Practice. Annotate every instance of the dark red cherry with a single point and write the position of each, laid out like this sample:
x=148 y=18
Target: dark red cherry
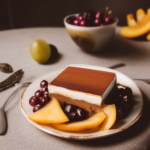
x=128 y=91
x=99 y=15
x=126 y=98
x=45 y=93
x=43 y=83
x=47 y=97
x=101 y=24
x=43 y=101
x=39 y=93
x=37 y=107
x=34 y=101
x=81 y=113
x=69 y=109
x=45 y=89
x=108 y=20
x=97 y=22
x=121 y=113
x=71 y=19
x=73 y=116
x=121 y=92
x=82 y=23
x=76 y=22
x=80 y=17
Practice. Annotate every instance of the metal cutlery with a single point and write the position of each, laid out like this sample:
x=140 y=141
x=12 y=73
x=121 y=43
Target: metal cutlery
x=11 y=80
x=5 y=68
x=3 y=121
x=117 y=65
x=121 y=65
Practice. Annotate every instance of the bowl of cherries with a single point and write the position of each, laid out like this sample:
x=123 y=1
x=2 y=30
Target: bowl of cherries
x=91 y=30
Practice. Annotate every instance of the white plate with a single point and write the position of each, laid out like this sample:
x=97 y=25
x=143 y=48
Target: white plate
x=119 y=125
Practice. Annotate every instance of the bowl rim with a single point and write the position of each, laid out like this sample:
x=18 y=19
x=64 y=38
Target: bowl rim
x=92 y=27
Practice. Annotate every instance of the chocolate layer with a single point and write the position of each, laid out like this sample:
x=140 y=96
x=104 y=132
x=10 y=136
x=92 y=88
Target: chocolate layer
x=84 y=80
x=91 y=108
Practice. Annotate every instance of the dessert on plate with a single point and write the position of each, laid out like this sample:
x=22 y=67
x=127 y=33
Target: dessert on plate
x=85 y=88
x=81 y=99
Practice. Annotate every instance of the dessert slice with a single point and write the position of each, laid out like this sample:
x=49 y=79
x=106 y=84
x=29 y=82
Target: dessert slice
x=85 y=88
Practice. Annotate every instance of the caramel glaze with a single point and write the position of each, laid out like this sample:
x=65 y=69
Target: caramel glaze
x=84 y=80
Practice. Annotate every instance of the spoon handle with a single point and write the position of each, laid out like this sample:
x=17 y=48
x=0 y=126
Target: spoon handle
x=3 y=121
x=117 y=65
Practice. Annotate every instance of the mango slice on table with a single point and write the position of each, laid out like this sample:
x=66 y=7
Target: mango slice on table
x=110 y=112
x=140 y=14
x=90 y=123
x=138 y=30
x=50 y=113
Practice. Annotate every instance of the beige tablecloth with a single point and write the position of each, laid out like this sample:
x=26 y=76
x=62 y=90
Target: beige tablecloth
x=21 y=135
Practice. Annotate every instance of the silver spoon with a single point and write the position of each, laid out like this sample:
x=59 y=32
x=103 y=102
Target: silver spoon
x=121 y=65
x=117 y=65
x=3 y=122
x=5 y=68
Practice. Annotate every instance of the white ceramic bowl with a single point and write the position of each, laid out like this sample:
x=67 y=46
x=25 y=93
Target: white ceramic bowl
x=91 y=39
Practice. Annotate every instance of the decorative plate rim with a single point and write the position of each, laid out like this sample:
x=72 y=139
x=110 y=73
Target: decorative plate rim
x=83 y=137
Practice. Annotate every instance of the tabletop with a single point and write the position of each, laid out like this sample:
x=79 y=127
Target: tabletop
x=15 y=50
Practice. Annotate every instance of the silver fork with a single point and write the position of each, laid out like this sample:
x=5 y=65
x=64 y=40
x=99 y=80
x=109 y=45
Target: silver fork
x=3 y=122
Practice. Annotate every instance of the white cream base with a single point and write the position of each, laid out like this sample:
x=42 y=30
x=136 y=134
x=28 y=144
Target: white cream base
x=77 y=95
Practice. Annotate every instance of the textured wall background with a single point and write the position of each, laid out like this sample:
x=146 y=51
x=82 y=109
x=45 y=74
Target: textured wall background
x=33 y=13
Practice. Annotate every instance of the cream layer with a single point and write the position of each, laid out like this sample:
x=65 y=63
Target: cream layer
x=78 y=95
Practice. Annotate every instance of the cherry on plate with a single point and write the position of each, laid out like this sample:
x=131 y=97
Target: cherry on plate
x=69 y=109
x=44 y=101
x=34 y=101
x=43 y=83
x=81 y=113
x=39 y=93
x=121 y=112
x=37 y=107
x=73 y=116
x=128 y=91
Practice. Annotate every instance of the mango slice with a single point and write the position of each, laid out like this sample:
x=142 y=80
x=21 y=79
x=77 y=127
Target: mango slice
x=110 y=112
x=140 y=14
x=148 y=37
x=130 y=20
x=138 y=30
x=90 y=123
x=50 y=113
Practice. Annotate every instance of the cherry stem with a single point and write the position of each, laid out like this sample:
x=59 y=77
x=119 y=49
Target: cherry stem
x=110 y=12
x=84 y=15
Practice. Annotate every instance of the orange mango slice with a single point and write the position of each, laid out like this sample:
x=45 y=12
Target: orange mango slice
x=50 y=113
x=141 y=28
x=110 y=112
x=130 y=20
x=90 y=123
x=148 y=37
x=140 y=14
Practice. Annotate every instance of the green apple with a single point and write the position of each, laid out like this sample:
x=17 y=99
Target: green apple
x=40 y=51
